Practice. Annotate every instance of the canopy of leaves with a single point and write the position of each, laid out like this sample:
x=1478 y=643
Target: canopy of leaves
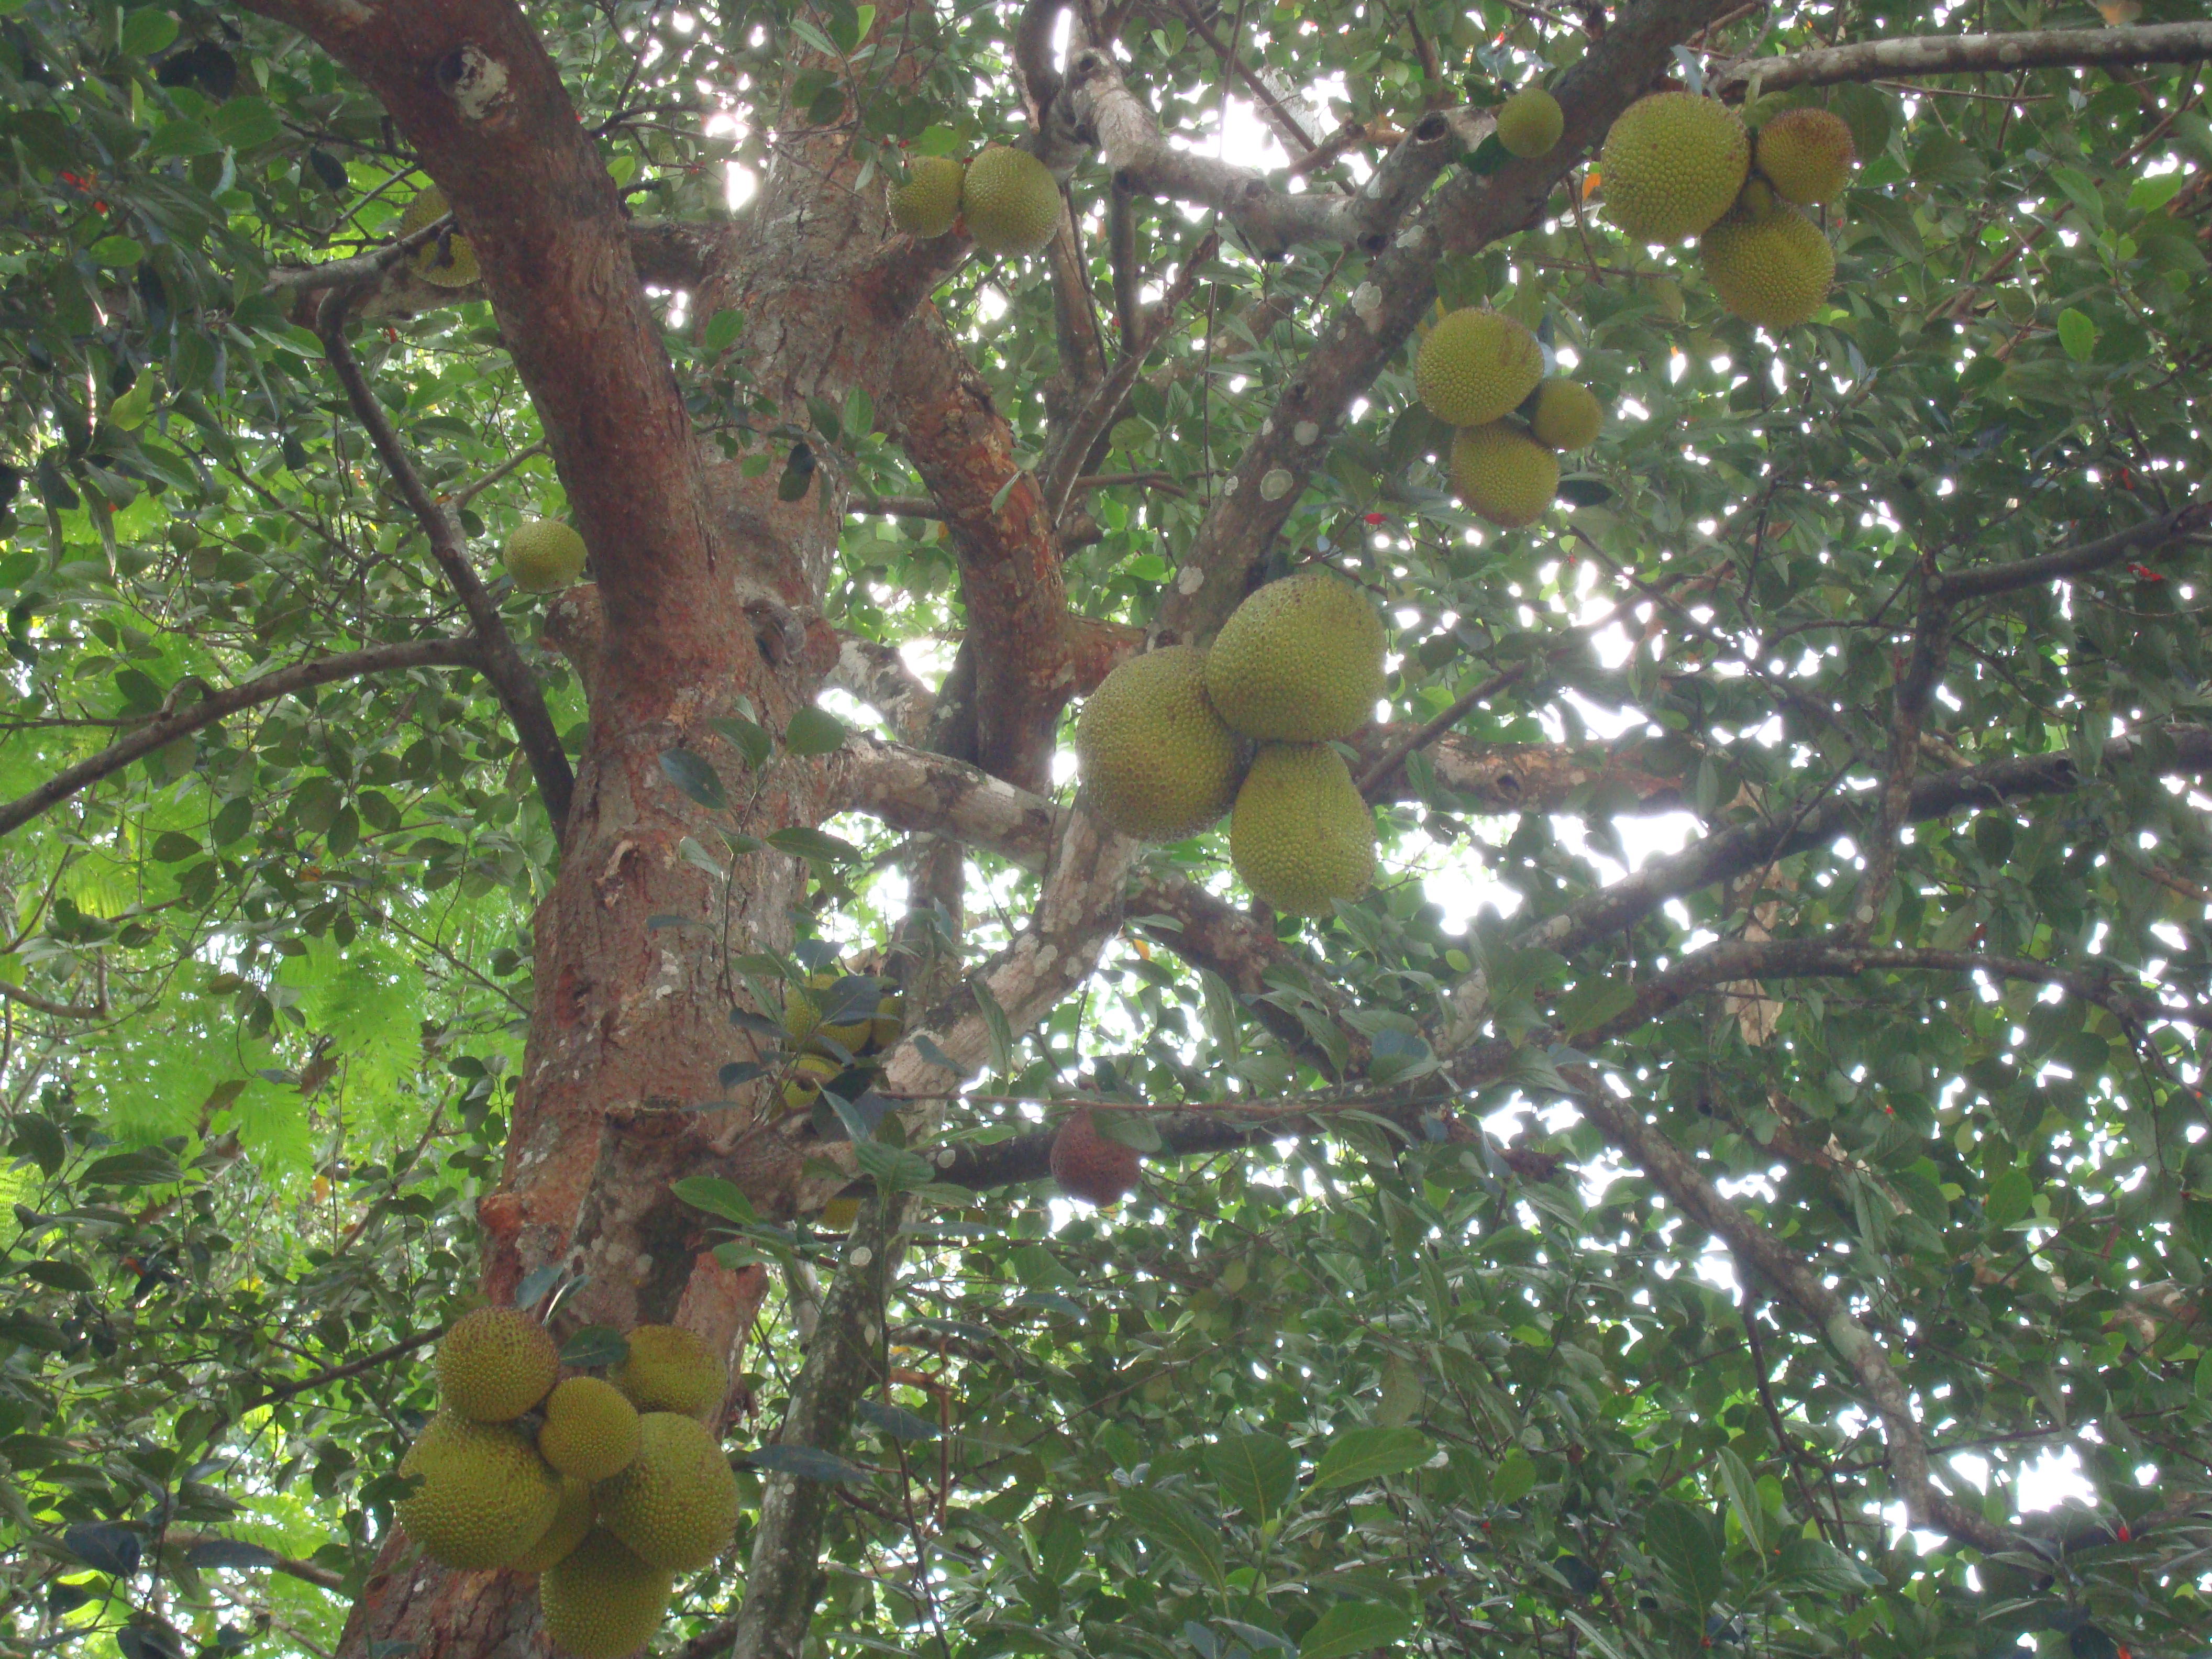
x=1385 y=1382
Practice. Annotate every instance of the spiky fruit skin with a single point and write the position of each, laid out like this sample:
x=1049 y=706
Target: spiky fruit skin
x=1773 y=271
x=544 y=555
x=676 y=1505
x=572 y=1519
x=1476 y=365
x=1567 y=414
x=601 y=1602
x=486 y=1495
x=1806 y=155
x=806 y=1080
x=839 y=1214
x=1301 y=837
x=925 y=206
x=1157 y=763
x=590 y=1430
x=1672 y=165
x=1529 y=122
x=889 y=1022
x=495 y=1363
x=1299 y=662
x=1011 y=201
x=1504 y=475
x=447 y=259
x=671 y=1370
x=802 y=1016
x=1089 y=1166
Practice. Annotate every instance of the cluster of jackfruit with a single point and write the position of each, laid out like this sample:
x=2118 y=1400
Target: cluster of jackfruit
x=1676 y=164
x=1009 y=198
x=1483 y=373
x=604 y=1487
x=1162 y=743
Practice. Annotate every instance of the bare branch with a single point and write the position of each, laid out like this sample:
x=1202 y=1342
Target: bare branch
x=1983 y=581
x=502 y=664
x=1967 y=54
x=94 y=1010
x=215 y=705
x=1279 y=116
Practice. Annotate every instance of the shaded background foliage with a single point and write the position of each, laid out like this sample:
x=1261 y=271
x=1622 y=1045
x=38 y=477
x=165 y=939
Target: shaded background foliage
x=1362 y=1386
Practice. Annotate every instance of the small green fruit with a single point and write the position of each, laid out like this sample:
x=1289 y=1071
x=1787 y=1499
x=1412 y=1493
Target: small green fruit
x=1807 y=155
x=925 y=206
x=1672 y=165
x=1156 y=759
x=544 y=554
x=676 y=1505
x=601 y=1602
x=445 y=259
x=1011 y=200
x=590 y=1430
x=1476 y=366
x=1530 y=122
x=1301 y=837
x=1502 y=474
x=495 y=1363
x=485 y=1497
x=670 y=1369
x=1299 y=662
x=1567 y=414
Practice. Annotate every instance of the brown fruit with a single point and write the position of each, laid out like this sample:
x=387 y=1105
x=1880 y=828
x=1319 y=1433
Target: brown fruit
x=1089 y=1166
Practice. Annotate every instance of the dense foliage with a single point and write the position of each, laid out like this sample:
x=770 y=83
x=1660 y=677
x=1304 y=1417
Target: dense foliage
x=1363 y=1386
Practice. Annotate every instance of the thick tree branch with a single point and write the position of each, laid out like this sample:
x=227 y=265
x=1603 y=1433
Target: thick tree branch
x=1462 y=217
x=2142 y=541
x=1002 y=536
x=502 y=664
x=17 y=994
x=1967 y=54
x=215 y=705
x=844 y=1357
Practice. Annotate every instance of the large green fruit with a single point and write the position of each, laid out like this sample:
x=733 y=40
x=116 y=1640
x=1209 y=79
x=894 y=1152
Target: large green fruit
x=571 y=1521
x=802 y=1016
x=544 y=554
x=446 y=259
x=601 y=1602
x=1567 y=416
x=1530 y=122
x=1011 y=201
x=1672 y=165
x=1476 y=365
x=1156 y=759
x=486 y=1495
x=1806 y=155
x=1301 y=837
x=1502 y=474
x=671 y=1370
x=926 y=204
x=495 y=1363
x=1773 y=268
x=590 y=1429
x=1299 y=662
x=676 y=1505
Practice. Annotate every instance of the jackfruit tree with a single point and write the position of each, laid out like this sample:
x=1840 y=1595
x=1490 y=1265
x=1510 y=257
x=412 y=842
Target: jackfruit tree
x=851 y=828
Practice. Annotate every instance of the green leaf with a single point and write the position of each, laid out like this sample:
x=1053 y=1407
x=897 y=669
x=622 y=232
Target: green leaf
x=722 y=330
x=1355 y=1627
x=816 y=846
x=1163 y=1518
x=814 y=732
x=1357 y=1456
x=2011 y=1195
x=594 y=1346
x=893 y=1169
x=714 y=1195
x=694 y=774
x=2077 y=334
x=2149 y=195
x=995 y=1019
x=1514 y=1480
x=1682 y=1538
x=1256 y=1471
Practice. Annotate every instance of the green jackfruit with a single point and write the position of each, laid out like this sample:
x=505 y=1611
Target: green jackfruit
x=572 y=1519
x=1502 y=474
x=1530 y=122
x=1299 y=662
x=486 y=1495
x=676 y=1505
x=926 y=204
x=670 y=1369
x=495 y=1363
x=1476 y=365
x=1672 y=165
x=802 y=1016
x=1567 y=414
x=590 y=1429
x=1011 y=201
x=601 y=1602
x=1301 y=837
x=1773 y=269
x=1806 y=155
x=446 y=259
x=1156 y=759
x=542 y=554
